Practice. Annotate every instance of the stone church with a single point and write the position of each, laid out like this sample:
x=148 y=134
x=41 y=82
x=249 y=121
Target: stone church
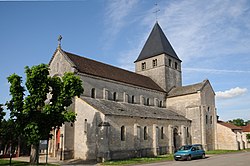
x=124 y=114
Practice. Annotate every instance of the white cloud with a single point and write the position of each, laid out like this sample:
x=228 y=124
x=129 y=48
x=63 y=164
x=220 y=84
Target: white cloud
x=231 y=93
x=115 y=18
x=214 y=71
x=206 y=28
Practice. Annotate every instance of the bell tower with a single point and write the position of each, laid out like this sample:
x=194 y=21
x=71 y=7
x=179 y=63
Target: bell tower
x=159 y=61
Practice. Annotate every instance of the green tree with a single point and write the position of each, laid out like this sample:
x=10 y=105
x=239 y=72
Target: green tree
x=45 y=106
x=2 y=113
x=248 y=137
x=237 y=122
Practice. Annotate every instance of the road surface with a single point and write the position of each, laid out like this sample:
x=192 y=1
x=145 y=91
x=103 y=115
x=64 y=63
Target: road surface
x=232 y=159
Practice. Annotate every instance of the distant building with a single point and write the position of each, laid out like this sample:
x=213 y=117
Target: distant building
x=124 y=114
x=246 y=130
x=230 y=137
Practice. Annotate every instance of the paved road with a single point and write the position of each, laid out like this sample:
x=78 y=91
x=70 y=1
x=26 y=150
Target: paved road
x=235 y=159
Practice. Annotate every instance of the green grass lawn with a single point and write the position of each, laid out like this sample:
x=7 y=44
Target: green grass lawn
x=225 y=151
x=18 y=163
x=142 y=160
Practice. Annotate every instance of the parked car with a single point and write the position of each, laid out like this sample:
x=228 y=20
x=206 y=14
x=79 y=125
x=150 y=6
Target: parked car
x=189 y=152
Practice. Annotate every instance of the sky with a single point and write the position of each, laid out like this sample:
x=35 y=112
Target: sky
x=211 y=37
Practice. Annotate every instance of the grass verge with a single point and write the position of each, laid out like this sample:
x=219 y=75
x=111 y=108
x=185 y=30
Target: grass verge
x=226 y=151
x=162 y=158
x=142 y=160
x=19 y=163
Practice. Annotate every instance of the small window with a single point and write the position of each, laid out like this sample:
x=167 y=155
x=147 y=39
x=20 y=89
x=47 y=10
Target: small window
x=169 y=62
x=123 y=133
x=57 y=67
x=93 y=93
x=175 y=65
x=145 y=133
x=85 y=126
x=114 y=96
x=187 y=132
x=143 y=66
x=133 y=99
x=162 y=133
x=154 y=62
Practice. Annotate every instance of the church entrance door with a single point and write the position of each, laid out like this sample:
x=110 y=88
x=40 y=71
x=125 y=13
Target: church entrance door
x=176 y=139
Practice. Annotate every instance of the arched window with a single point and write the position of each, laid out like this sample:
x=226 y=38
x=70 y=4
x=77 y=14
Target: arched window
x=114 y=96
x=85 y=126
x=162 y=133
x=123 y=133
x=169 y=62
x=133 y=99
x=148 y=101
x=93 y=93
x=145 y=133
x=175 y=65
x=160 y=104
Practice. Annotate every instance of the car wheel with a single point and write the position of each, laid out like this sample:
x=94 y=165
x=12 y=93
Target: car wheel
x=203 y=156
x=189 y=158
x=176 y=159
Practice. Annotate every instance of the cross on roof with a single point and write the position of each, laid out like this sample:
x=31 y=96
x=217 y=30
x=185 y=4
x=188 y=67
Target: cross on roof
x=156 y=11
x=59 y=41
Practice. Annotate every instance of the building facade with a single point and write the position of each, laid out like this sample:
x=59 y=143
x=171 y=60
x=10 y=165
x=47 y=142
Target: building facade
x=124 y=114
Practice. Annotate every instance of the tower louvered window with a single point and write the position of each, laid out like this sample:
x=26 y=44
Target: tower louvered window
x=143 y=66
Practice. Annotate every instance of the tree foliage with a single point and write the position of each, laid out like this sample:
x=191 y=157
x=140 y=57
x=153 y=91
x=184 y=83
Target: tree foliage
x=248 y=137
x=45 y=106
x=239 y=122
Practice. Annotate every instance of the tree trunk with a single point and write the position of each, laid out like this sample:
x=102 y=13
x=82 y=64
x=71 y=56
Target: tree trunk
x=5 y=149
x=34 y=154
x=18 y=146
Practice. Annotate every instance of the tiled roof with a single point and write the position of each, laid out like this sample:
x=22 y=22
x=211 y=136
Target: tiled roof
x=108 y=107
x=229 y=125
x=246 y=128
x=189 y=89
x=156 y=44
x=92 y=67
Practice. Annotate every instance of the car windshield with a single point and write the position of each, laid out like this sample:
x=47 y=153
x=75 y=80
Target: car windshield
x=187 y=147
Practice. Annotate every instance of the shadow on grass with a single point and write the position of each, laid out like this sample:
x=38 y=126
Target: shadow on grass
x=19 y=163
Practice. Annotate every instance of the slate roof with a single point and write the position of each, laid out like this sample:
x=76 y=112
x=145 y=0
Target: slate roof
x=246 y=128
x=189 y=89
x=229 y=125
x=156 y=44
x=92 y=67
x=108 y=107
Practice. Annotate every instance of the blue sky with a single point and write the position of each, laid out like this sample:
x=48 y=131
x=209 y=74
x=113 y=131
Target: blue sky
x=212 y=37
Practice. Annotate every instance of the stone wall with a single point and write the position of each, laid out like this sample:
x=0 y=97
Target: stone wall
x=105 y=142
x=226 y=139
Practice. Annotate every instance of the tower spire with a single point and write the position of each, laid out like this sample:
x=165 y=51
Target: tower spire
x=59 y=41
